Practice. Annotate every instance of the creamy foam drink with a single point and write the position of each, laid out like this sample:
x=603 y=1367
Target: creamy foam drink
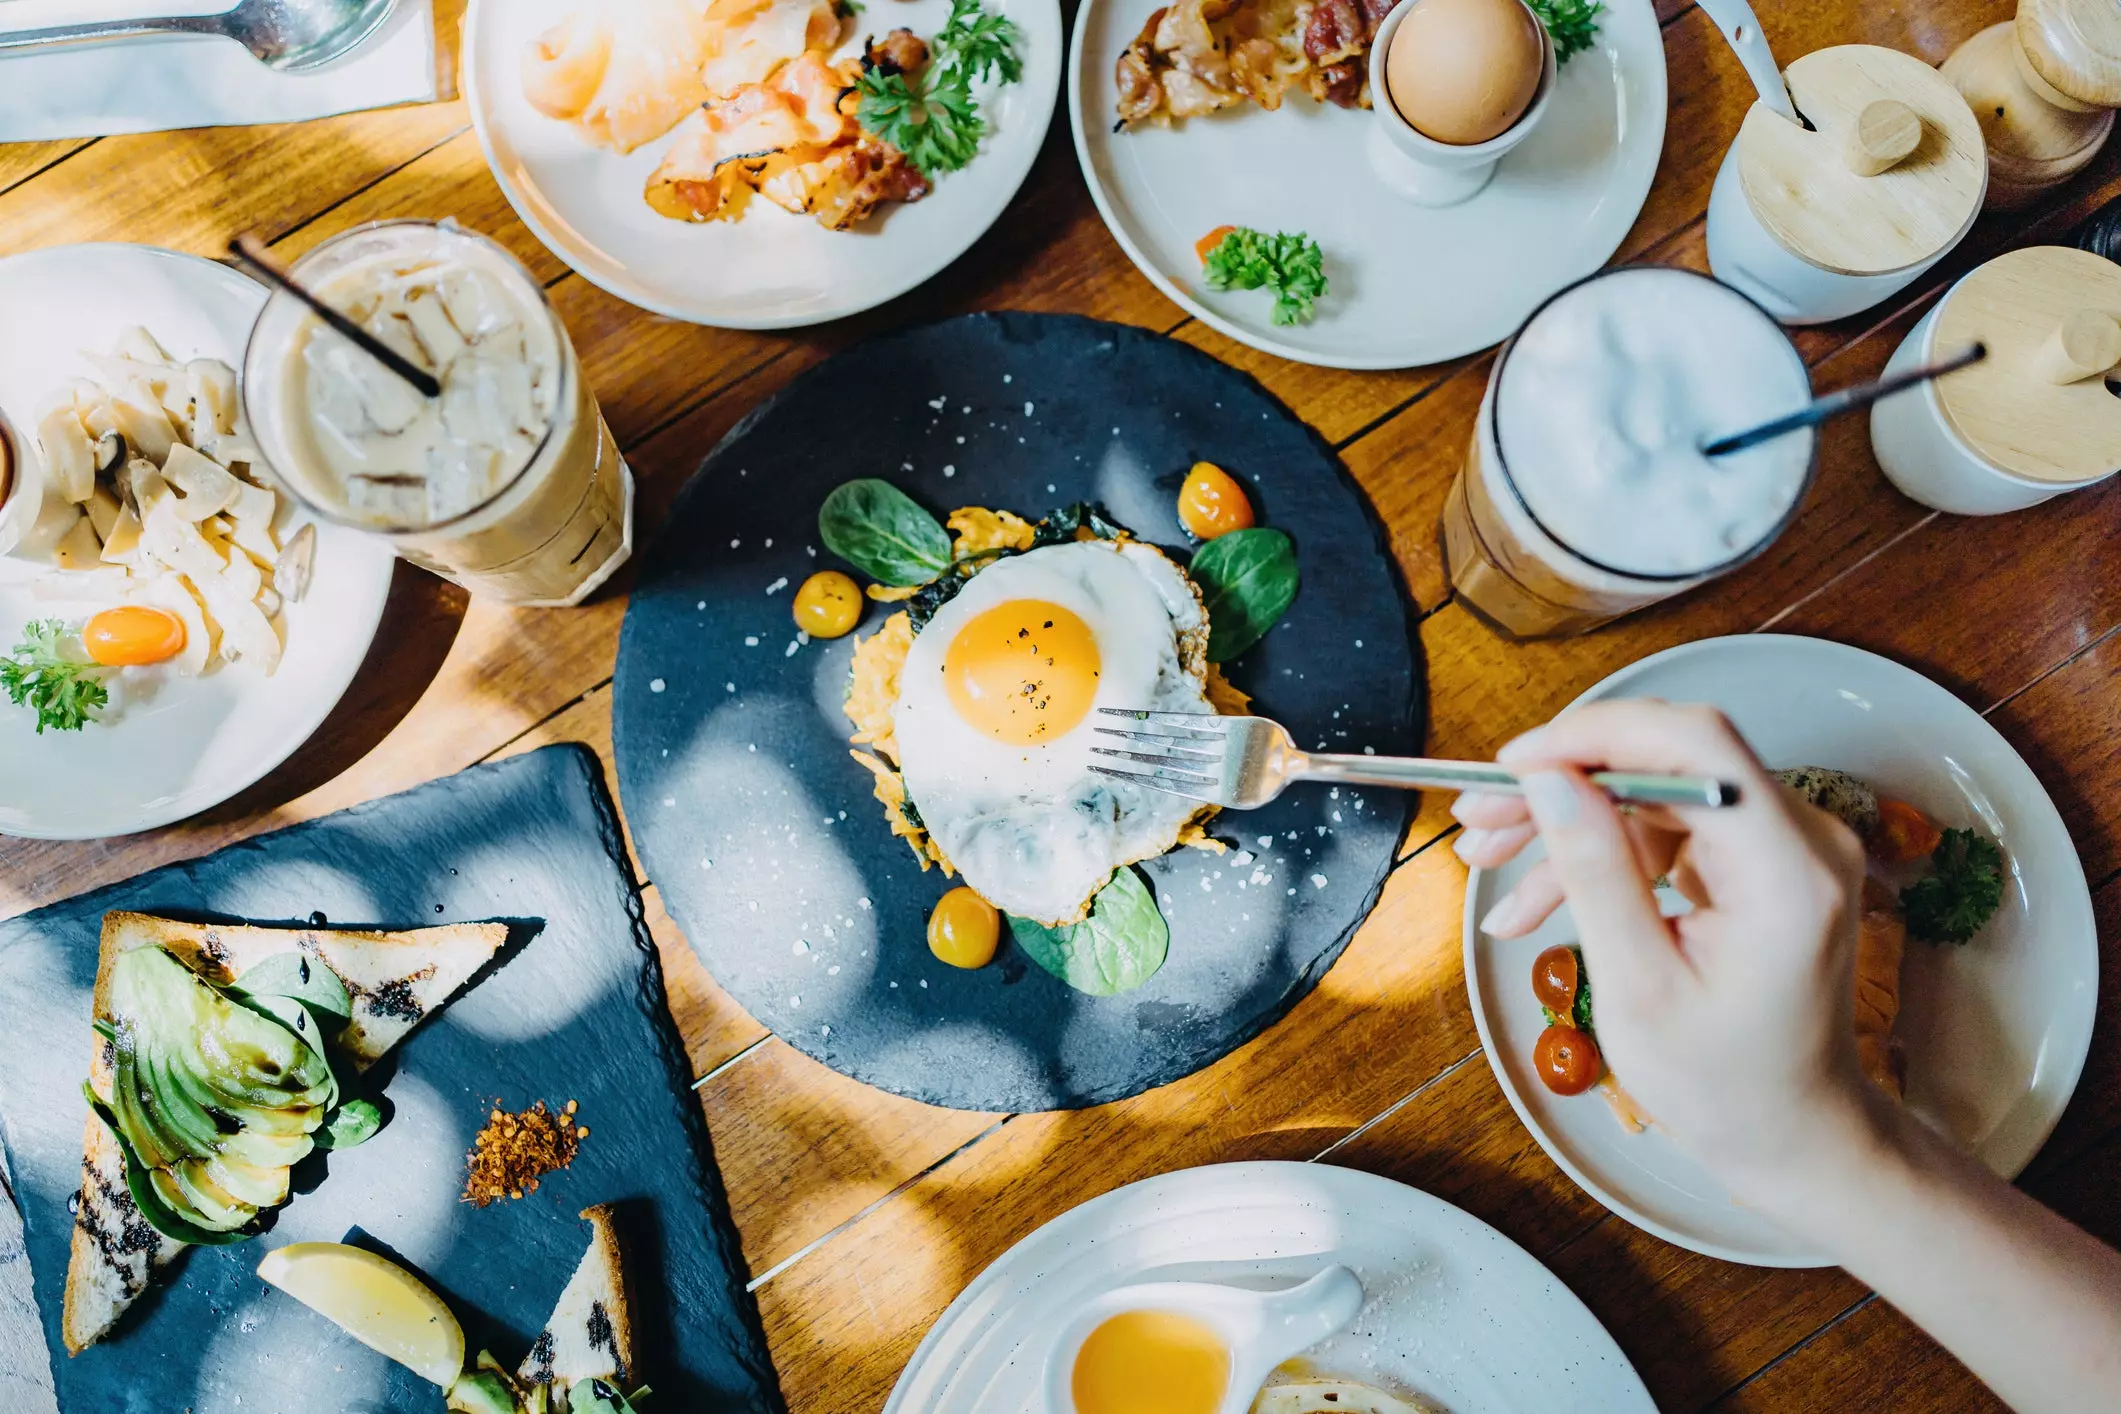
x=1585 y=493
x=508 y=483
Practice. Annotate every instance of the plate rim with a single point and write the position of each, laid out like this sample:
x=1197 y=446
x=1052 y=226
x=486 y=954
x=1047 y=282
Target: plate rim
x=1471 y=939
x=644 y=299
x=1266 y=343
x=1169 y=1189
x=184 y=807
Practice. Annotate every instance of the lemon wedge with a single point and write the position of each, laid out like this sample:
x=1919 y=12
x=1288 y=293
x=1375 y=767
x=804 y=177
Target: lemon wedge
x=375 y=1301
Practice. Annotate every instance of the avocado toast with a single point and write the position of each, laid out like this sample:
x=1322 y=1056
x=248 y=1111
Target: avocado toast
x=220 y=1057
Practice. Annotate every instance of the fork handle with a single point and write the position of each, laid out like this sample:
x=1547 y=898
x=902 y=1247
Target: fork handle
x=1413 y=772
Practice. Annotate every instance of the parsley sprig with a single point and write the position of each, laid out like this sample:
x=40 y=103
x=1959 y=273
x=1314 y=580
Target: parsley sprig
x=63 y=690
x=1573 y=23
x=1960 y=894
x=1290 y=267
x=932 y=116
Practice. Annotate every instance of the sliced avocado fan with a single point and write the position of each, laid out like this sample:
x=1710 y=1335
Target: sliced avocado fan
x=216 y=1093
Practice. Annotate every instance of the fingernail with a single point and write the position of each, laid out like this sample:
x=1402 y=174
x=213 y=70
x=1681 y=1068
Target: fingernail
x=1551 y=797
x=1523 y=747
x=1505 y=919
x=1469 y=800
x=1469 y=841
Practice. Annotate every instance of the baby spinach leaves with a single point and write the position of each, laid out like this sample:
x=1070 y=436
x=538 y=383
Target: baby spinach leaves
x=1248 y=579
x=882 y=532
x=1117 y=948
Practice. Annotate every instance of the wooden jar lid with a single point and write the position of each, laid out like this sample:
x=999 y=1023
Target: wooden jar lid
x=2074 y=47
x=1811 y=189
x=2046 y=313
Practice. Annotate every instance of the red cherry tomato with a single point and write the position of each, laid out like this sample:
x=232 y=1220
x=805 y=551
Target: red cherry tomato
x=1555 y=975
x=1567 y=1060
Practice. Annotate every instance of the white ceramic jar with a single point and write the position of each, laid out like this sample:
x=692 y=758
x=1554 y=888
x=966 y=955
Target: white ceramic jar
x=1799 y=220
x=2004 y=434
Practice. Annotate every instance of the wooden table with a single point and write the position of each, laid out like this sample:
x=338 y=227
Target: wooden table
x=864 y=1214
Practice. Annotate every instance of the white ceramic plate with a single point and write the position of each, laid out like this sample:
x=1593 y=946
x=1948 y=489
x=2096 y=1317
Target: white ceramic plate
x=1996 y=1031
x=1456 y=1312
x=770 y=269
x=1409 y=285
x=180 y=745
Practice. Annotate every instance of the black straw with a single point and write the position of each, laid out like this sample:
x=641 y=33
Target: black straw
x=247 y=250
x=1847 y=400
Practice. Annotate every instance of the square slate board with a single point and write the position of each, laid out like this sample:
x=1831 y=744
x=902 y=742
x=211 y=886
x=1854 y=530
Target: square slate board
x=573 y=1010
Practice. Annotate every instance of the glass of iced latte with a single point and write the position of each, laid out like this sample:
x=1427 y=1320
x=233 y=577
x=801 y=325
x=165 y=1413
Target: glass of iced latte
x=1585 y=494
x=508 y=484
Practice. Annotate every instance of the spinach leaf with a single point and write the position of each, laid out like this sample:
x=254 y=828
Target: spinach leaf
x=878 y=529
x=1249 y=579
x=354 y=1122
x=1117 y=948
x=1061 y=526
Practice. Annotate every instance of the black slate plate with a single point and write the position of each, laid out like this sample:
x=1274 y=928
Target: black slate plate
x=761 y=831
x=573 y=1010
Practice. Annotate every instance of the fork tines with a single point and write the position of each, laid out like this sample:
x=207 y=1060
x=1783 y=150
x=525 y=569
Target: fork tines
x=1177 y=768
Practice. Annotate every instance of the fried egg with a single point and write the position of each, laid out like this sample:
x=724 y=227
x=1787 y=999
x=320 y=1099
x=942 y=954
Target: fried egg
x=997 y=714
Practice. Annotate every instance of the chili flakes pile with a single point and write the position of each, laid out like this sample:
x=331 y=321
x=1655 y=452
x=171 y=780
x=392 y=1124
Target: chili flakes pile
x=514 y=1150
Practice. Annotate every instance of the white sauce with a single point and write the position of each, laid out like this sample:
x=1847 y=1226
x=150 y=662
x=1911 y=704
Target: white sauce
x=1606 y=399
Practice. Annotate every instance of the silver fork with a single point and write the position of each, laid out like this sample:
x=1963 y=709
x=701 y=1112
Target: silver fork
x=1244 y=762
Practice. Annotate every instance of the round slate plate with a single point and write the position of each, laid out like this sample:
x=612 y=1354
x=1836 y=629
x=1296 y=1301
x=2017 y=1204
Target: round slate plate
x=761 y=830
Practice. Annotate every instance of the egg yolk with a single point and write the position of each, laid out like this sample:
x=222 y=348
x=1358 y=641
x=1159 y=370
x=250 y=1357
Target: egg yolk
x=1211 y=503
x=1024 y=672
x=965 y=929
x=133 y=635
x=828 y=605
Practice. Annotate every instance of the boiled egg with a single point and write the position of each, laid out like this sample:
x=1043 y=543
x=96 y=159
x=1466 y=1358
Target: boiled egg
x=998 y=714
x=1464 y=71
x=133 y=635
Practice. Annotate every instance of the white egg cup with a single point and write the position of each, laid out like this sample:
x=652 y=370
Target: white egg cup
x=1260 y=1329
x=1416 y=166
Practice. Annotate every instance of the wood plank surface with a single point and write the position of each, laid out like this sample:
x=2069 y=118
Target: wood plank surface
x=864 y=1214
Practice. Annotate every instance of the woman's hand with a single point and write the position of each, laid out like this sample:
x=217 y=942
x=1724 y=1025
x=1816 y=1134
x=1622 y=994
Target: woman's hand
x=1731 y=1025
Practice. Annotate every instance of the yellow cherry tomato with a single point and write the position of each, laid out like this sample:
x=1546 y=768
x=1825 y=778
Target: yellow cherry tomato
x=1211 y=503
x=965 y=929
x=133 y=635
x=828 y=605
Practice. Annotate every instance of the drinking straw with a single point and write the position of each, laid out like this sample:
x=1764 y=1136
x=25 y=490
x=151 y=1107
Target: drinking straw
x=1846 y=400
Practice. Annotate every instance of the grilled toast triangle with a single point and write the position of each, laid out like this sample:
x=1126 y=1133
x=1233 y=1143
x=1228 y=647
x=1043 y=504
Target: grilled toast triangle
x=394 y=980
x=590 y=1333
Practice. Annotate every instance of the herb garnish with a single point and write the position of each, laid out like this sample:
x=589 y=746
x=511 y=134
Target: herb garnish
x=1573 y=23
x=1290 y=267
x=1118 y=947
x=1962 y=892
x=1247 y=580
x=65 y=691
x=882 y=532
x=931 y=116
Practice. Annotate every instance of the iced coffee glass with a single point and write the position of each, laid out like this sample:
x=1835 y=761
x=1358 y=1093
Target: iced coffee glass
x=1584 y=494
x=508 y=484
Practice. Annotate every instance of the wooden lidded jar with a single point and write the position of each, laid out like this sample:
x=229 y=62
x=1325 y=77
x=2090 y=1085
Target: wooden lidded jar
x=1820 y=222
x=2045 y=87
x=2034 y=419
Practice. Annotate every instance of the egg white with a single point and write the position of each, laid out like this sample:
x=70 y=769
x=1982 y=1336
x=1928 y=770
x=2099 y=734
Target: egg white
x=1032 y=828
